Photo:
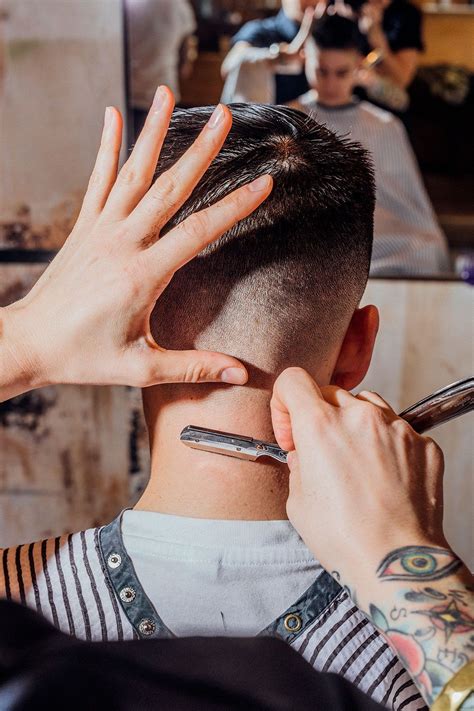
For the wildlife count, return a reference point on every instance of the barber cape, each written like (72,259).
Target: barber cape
(123,580)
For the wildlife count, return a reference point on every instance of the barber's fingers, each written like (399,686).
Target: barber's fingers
(375,399)
(174,186)
(296,400)
(192,235)
(105,169)
(320,9)
(337,396)
(163,366)
(136,175)
(304,31)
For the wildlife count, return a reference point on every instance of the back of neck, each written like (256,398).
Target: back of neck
(188,482)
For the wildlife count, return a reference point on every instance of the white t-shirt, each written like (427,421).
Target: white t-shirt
(407,237)
(156,30)
(234,577)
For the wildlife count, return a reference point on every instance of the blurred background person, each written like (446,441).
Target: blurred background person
(392,41)
(276,42)
(161,50)
(407,237)
(393,28)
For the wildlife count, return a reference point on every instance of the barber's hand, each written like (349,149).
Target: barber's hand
(366,497)
(291,52)
(87,318)
(362,481)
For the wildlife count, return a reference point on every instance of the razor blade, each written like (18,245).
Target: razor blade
(441,406)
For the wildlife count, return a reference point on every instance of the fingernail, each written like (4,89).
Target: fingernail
(159,98)
(217,117)
(260,184)
(236,376)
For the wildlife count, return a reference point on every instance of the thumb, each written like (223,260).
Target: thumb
(296,399)
(195,367)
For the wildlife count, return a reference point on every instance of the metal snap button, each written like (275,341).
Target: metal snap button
(114,560)
(146,627)
(127,594)
(293,623)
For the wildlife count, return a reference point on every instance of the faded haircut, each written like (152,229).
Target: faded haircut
(289,276)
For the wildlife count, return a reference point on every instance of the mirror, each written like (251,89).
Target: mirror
(413,110)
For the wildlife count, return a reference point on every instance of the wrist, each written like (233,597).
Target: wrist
(21,366)
(390,559)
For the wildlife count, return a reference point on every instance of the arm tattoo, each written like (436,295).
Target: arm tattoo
(431,627)
(418,563)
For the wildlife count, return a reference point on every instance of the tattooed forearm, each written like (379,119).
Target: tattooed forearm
(431,627)
(418,563)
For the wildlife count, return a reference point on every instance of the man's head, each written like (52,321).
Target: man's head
(281,287)
(332,58)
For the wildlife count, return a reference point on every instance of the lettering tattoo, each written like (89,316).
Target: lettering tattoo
(398,612)
(452,656)
(418,563)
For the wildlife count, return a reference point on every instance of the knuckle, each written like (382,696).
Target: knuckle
(368,394)
(405,427)
(194,373)
(130,176)
(198,224)
(168,184)
(96,179)
(372,415)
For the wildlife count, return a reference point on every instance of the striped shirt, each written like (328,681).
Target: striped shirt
(407,237)
(86,585)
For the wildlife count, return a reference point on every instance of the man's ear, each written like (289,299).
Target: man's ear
(357,348)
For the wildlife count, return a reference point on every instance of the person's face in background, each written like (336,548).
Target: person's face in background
(331,72)
(294,9)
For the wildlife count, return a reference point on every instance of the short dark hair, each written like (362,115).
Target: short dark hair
(297,265)
(337,32)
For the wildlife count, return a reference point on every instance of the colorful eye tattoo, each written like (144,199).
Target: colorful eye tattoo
(418,563)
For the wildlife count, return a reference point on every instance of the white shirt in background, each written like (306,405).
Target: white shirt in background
(156,30)
(407,237)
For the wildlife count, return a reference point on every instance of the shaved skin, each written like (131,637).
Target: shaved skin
(189,482)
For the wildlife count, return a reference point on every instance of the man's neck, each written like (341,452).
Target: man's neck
(189,482)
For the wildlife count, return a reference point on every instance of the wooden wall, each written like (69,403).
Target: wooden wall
(449,34)
(61,64)
(425,342)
